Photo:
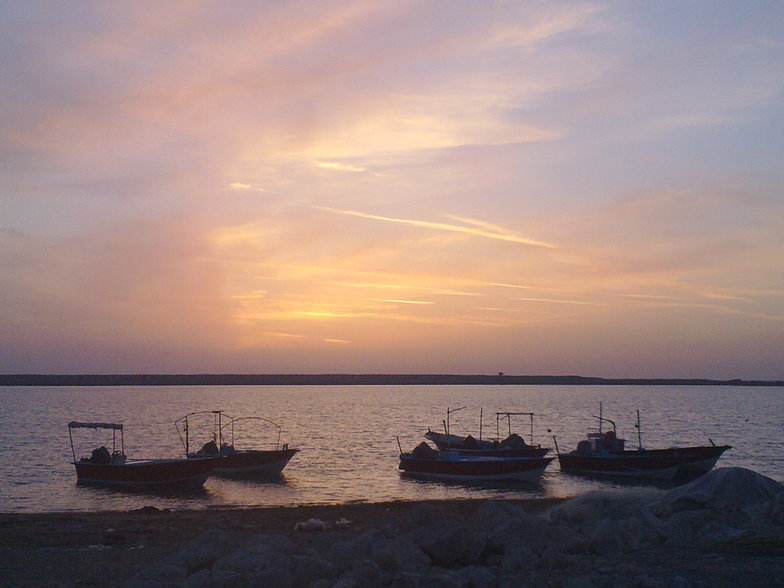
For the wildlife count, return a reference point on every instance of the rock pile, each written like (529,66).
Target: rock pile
(720,530)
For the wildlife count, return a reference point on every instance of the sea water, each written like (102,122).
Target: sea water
(349,435)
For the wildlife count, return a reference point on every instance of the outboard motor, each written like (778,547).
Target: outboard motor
(101,455)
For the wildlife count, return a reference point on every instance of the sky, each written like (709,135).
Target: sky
(564,188)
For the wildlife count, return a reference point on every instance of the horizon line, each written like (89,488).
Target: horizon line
(172,379)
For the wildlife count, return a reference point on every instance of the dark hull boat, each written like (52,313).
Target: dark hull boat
(428,463)
(254,461)
(114,469)
(605,454)
(229,460)
(147,472)
(511,446)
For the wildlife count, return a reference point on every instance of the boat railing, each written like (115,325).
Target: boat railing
(183,427)
(222,432)
(233,421)
(499,418)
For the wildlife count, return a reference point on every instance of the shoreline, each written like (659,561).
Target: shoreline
(594,540)
(106,548)
(22,380)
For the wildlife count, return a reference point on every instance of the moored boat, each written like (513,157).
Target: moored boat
(604,453)
(233,461)
(513,445)
(115,469)
(424,461)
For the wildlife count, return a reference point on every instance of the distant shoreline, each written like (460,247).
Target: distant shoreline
(351,380)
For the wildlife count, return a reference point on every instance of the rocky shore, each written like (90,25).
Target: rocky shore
(724,529)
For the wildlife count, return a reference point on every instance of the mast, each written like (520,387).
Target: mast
(448,412)
(532,428)
(639,431)
(601,420)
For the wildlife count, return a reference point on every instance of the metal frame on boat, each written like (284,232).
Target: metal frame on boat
(232,461)
(511,446)
(115,469)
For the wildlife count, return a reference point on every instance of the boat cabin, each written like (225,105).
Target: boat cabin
(601,442)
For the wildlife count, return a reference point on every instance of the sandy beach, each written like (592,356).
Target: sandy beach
(598,540)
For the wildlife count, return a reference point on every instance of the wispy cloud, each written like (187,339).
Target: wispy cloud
(283,335)
(340,166)
(240,186)
(397,301)
(556,301)
(405,283)
(474,228)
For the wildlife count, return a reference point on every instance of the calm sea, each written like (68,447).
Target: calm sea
(348,437)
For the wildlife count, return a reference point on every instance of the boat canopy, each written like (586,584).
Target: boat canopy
(79,425)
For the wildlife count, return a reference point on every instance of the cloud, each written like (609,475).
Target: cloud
(626,160)
(340,166)
(488,231)
(398,301)
(554,301)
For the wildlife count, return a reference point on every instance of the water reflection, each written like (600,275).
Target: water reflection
(348,437)
(163,491)
(494,486)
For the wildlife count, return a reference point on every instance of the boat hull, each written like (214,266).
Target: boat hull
(657,464)
(693,459)
(254,461)
(616,465)
(459,467)
(500,451)
(186,473)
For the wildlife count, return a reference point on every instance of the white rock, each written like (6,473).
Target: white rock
(311,525)
(726,489)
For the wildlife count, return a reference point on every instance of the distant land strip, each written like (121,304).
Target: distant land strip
(349,380)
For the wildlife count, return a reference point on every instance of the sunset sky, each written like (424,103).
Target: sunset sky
(592,188)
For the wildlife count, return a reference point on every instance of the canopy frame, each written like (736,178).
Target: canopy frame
(91,425)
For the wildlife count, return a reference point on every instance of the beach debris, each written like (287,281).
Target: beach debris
(342,523)
(311,526)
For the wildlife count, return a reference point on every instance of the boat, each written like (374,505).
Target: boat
(604,453)
(113,468)
(513,445)
(230,460)
(426,462)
